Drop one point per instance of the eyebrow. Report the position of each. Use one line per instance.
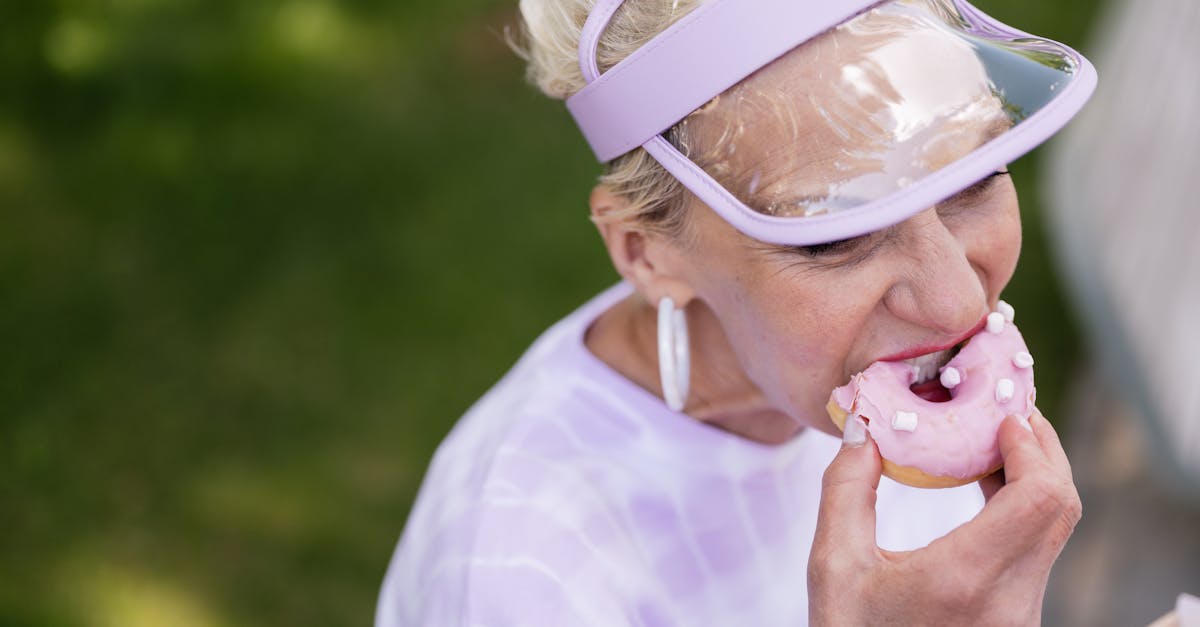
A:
(998, 127)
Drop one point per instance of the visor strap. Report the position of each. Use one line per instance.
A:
(589, 40)
(707, 51)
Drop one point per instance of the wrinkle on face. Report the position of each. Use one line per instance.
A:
(799, 327)
(848, 117)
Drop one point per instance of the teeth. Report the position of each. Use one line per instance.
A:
(926, 367)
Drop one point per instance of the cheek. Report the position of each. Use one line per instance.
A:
(762, 314)
(992, 241)
(791, 332)
(1006, 247)
(777, 348)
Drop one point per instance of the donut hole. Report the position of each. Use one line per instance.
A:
(933, 390)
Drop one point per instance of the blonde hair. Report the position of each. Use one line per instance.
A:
(550, 33)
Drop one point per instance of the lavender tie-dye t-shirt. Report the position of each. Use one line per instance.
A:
(570, 496)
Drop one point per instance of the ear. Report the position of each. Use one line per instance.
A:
(653, 263)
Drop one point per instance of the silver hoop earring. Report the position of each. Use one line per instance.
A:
(674, 357)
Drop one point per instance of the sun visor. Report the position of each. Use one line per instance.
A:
(883, 115)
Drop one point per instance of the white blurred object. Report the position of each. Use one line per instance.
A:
(1186, 614)
(1188, 609)
(1124, 210)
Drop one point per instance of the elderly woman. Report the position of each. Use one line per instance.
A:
(794, 190)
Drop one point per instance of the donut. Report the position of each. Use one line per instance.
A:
(950, 441)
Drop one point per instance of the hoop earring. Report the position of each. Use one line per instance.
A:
(674, 358)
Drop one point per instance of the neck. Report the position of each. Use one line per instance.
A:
(721, 395)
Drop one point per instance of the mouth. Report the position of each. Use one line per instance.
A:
(926, 367)
(929, 350)
(927, 364)
(925, 374)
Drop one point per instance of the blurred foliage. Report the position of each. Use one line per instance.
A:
(255, 259)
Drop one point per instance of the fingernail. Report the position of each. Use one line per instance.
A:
(1024, 422)
(855, 433)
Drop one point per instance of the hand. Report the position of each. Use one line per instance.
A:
(990, 571)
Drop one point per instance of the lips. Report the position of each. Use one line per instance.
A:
(927, 366)
(925, 370)
(927, 361)
(920, 351)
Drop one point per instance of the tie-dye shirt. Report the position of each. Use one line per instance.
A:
(568, 495)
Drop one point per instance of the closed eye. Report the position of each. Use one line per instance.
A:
(971, 194)
(842, 253)
(829, 248)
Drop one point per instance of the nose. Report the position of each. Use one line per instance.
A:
(939, 289)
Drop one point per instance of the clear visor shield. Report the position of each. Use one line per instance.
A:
(884, 101)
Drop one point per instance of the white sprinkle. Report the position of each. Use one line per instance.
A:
(1005, 390)
(905, 421)
(995, 322)
(1006, 310)
(951, 377)
(1023, 360)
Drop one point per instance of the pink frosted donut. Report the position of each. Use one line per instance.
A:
(931, 444)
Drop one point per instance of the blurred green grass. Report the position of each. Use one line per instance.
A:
(255, 260)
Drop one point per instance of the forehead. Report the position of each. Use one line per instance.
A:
(851, 115)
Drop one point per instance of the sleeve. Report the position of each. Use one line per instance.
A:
(475, 591)
(530, 566)
(519, 563)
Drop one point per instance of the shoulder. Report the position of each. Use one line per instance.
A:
(520, 534)
(515, 521)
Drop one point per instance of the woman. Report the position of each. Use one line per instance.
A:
(794, 190)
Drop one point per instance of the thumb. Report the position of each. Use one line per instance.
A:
(846, 518)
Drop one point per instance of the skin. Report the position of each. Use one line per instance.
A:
(760, 368)
(990, 571)
(774, 329)
(772, 332)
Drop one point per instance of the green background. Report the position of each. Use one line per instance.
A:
(256, 257)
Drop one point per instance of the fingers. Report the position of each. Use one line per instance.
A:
(846, 519)
(1036, 509)
(1047, 440)
(1005, 525)
(1050, 443)
(1018, 446)
(1021, 450)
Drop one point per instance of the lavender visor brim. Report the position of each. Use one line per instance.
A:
(722, 42)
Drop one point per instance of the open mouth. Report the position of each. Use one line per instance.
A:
(925, 374)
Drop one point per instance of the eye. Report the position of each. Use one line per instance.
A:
(974, 193)
(841, 253)
(831, 248)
